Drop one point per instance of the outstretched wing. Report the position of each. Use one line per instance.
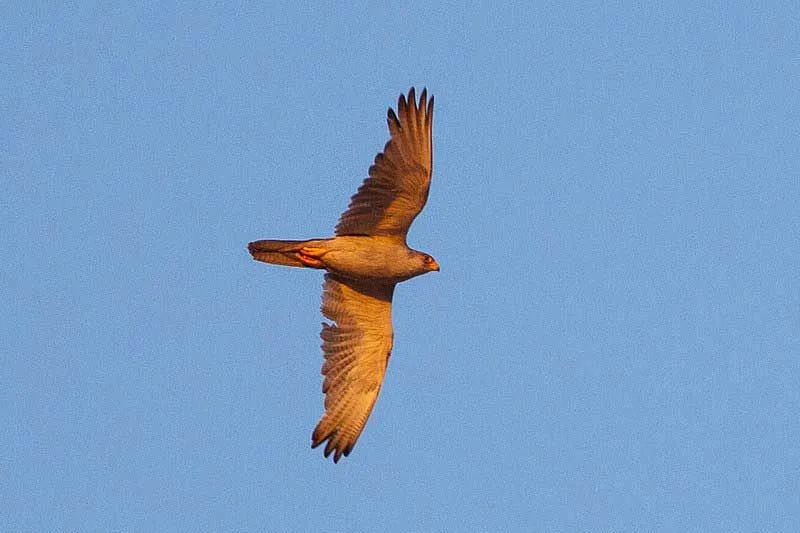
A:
(397, 187)
(357, 348)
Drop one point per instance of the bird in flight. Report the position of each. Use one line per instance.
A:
(364, 261)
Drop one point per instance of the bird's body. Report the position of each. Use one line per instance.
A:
(379, 258)
(364, 261)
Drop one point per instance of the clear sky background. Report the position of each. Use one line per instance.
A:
(612, 344)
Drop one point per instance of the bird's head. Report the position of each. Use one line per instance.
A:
(429, 263)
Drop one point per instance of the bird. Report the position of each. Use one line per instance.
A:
(364, 261)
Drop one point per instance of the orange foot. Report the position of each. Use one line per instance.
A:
(310, 256)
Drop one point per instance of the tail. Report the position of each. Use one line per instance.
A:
(279, 252)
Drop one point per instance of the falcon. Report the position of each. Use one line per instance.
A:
(364, 261)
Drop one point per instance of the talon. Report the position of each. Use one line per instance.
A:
(310, 257)
(313, 251)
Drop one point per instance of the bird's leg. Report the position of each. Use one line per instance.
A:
(310, 256)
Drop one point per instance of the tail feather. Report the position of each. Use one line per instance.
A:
(278, 252)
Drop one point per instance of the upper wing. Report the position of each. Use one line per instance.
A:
(357, 348)
(397, 187)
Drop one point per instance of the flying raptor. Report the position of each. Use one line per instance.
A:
(364, 261)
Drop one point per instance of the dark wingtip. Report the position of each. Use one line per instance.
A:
(317, 437)
(392, 117)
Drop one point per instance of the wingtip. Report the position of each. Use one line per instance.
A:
(391, 117)
(337, 449)
(409, 99)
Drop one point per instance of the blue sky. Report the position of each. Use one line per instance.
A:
(612, 343)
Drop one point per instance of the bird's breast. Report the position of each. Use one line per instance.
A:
(376, 258)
